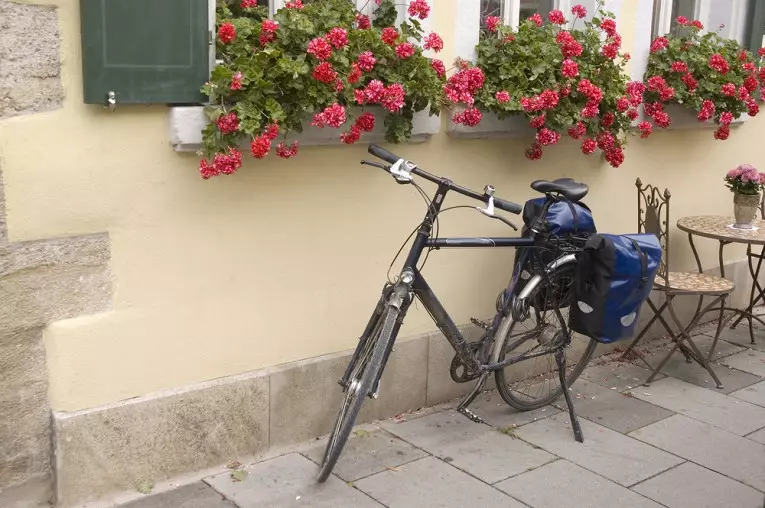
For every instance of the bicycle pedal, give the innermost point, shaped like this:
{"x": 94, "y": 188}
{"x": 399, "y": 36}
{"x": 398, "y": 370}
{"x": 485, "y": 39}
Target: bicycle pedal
{"x": 480, "y": 324}
{"x": 470, "y": 415}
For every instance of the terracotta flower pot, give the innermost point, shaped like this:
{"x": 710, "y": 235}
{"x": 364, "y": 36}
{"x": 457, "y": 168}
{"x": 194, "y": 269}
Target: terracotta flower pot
{"x": 745, "y": 209}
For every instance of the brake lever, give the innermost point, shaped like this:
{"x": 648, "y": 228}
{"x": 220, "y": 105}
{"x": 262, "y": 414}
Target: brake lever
{"x": 489, "y": 210}
{"x": 376, "y": 165}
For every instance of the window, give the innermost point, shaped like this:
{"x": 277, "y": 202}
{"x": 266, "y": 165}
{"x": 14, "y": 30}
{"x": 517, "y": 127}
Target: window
{"x": 727, "y": 17}
{"x": 514, "y": 11}
{"x": 755, "y": 37}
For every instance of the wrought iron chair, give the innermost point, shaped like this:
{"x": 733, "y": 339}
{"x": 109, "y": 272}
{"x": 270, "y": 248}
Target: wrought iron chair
{"x": 653, "y": 218}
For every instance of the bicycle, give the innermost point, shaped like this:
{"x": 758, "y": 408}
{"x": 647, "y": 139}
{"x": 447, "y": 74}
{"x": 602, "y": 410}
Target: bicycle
{"x": 538, "y": 304}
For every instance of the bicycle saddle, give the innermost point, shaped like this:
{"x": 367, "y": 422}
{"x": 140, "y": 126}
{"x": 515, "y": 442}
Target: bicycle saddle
{"x": 566, "y": 187}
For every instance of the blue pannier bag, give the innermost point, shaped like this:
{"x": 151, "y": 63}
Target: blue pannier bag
{"x": 563, "y": 217}
{"x": 614, "y": 277}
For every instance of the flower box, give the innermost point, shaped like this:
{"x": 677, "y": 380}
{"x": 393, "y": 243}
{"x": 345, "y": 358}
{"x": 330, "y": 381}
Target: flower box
{"x": 187, "y": 123}
{"x": 491, "y": 127}
{"x": 686, "y": 118}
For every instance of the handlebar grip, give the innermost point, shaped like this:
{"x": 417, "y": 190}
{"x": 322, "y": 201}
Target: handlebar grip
{"x": 382, "y": 153}
{"x": 508, "y": 206}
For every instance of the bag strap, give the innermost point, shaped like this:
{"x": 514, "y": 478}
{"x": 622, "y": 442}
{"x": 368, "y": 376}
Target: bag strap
{"x": 643, "y": 262}
{"x": 573, "y": 213}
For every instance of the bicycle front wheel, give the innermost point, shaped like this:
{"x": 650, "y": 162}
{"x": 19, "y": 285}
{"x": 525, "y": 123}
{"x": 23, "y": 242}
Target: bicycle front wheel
{"x": 533, "y": 382}
{"x": 363, "y": 375}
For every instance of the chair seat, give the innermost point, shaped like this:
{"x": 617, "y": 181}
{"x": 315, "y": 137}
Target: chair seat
{"x": 698, "y": 283}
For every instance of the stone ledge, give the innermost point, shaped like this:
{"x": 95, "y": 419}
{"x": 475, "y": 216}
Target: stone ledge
{"x": 491, "y": 127}
{"x": 187, "y": 122}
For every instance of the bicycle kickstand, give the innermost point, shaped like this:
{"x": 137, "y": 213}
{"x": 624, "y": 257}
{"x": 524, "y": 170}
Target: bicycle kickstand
{"x": 463, "y": 407}
{"x": 560, "y": 359}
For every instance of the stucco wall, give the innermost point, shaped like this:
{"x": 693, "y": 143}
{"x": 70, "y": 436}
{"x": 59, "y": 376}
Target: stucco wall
{"x": 285, "y": 259}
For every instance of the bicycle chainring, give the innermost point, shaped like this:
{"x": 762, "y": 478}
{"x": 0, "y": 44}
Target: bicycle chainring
{"x": 458, "y": 370}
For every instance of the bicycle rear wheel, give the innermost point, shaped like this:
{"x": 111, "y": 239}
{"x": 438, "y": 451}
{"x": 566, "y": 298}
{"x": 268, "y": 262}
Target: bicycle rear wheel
{"x": 363, "y": 375}
{"x": 534, "y": 382}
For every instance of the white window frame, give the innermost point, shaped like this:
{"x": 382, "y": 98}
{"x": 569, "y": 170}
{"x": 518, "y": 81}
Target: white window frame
{"x": 738, "y": 19}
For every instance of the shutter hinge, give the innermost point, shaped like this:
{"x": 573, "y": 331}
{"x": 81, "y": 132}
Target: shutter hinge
{"x": 111, "y": 101}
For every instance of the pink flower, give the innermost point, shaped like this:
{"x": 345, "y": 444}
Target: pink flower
{"x": 393, "y": 98}
{"x": 287, "y": 152}
{"x": 470, "y": 117}
{"x": 615, "y": 156}
{"x": 363, "y": 21}
{"x": 236, "y": 81}
{"x": 404, "y": 50}
{"x": 718, "y": 63}
{"x": 622, "y": 104}
{"x": 538, "y": 121}
{"x": 227, "y": 164}
{"x": 722, "y": 132}
{"x": 753, "y": 107}
{"x": 508, "y": 38}
{"x": 682, "y": 20}
{"x": 658, "y": 44}
{"x": 266, "y": 37}
{"x": 320, "y": 48}
{"x": 555, "y": 16}
{"x": 228, "y": 123}
{"x": 534, "y": 152}
{"x": 697, "y": 24}
{"x": 503, "y": 97}
{"x": 434, "y": 41}
{"x": 366, "y": 122}
{"x": 579, "y": 11}
{"x": 537, "y": 19}
{"x": 608, "y": 119}
{"x": 355, "y": 75}
{"x": 374, "y": 91}
{"x": 645, "y": 129}
{"x": 493, "y": 23}
{"x": 588, "y": 146}
{"x": 334, "y": 115}
{"x": 246, "y": 4}
{"x": 419, "y": 9}
{"x": 294, "y": 4}
{"x": 606, "y": 140}
{"x": 260, "y": 146}
{"x": 367, "y": 61}
{"x": 750, "y": 83}
{"x": 635, "y": 91}
{"x": 325, "y": 73}
{"x": 728, "y": 89}
{"x": 272, "y": 131}
{"x": 568, "y": 44}
{"x": 610, "y": 51}
{"x": 389, "y": 35}
{"x": 439, "y": 67}
{"x": 726, "y": 118}
{"x": 667, "y": 94}
{"x": 569, "y": 69}
{"x": 662, "y": 119}
{"x": 608, "y": 26}
{"x": 359, "y": 96}
{"x": 577, "y": 131}
{"x": 207, "y": 170}
{"x": 656, "y": 83}
{"x": 633, "y": 114}
{"x": 547, "y": 137}
{"x": 351, "y": 136}
{"x": 590, "y": 111}
{"x": 226, "y": 33}
{"x": 761, "y": 52}
{"x": 690, "y": 82}
{"x": 651, "y": 108}
{"x": 679, "y": 66}
{"x": 338, "y": 37}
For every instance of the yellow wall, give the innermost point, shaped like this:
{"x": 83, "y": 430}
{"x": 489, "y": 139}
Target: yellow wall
{"x": 284, "y": 260}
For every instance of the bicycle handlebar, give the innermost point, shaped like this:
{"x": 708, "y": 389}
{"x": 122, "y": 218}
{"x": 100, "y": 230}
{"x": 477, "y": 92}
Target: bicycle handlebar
{"x": 391, "y": 158}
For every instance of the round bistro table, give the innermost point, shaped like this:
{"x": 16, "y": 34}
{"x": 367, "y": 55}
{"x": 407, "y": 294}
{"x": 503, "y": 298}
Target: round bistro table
{"x": 721, "y": 228}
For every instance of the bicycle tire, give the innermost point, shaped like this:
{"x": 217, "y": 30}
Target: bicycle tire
{"x": 513, "y": 396}
{"x": 364, "y": 374}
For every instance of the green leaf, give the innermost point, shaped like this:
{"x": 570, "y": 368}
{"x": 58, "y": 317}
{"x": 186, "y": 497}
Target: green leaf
{"x": 239, "y": 475}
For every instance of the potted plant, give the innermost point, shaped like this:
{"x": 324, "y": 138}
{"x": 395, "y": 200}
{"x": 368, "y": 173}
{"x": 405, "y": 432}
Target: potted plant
{"x": 746, "y": 183}
{"x": 562, "y": 81}
{"x": 712, "y": 76}
{"x": 321, "y": 65}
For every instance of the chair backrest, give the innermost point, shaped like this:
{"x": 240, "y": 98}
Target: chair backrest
{"x": 653, "y": 218}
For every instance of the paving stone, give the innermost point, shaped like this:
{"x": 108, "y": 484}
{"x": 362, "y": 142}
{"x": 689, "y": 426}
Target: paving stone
{"x": 497, "y": 413}
{"x": 368, "y": 453}
{"x": 740, "y": 336}
{"x": 563, "y": 484}
{"x": 723, "y": 348}
{"x": 608, "y": 453}
{"x": 430, "y": 482}
{"x": 480, "y": 450}
{"x": 692, "y": 486}
{"x": 620, "y": 375}
{"x": 708, "y": 406}
{"x": 694, "y": 373}
{"x": 288, "y": 481}
{"x": 196, "y": 495}
{"x": 749, "y": 361}
{"x": 731, "y": 455}
{"x": 611, "y": 408}
{"x": 758, "y": 436}
{"x": 754, "y": 394}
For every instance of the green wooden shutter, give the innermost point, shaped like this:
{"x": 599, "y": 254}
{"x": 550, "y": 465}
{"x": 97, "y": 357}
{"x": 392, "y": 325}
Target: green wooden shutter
{"x": 756, "y": 29}
{"x": 145, "y": 51}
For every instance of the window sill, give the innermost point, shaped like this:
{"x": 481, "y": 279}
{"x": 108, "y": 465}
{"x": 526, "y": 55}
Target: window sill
{"x": 187, "y": 123}
{"x": 684, "y": 118}
{"x": 491, "y": 127}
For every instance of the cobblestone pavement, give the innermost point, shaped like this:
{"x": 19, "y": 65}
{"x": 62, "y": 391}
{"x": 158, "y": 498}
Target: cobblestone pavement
{"x": 679, "y": 443}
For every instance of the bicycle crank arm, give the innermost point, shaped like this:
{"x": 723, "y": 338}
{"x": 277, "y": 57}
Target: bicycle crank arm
{"x": 517, "y": 359}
